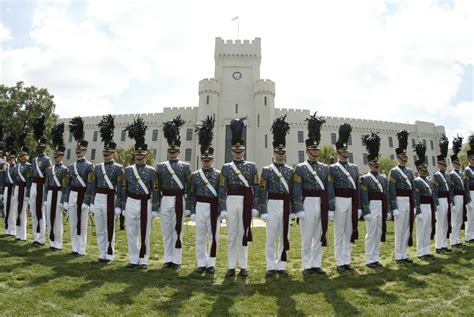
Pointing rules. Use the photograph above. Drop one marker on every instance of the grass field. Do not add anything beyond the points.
(35, 281)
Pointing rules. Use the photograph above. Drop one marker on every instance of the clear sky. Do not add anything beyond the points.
(389, 60)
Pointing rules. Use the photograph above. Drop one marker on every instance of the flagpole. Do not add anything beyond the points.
(238, 28)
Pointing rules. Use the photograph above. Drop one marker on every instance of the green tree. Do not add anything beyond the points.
(386, 164)
(20, 105)
(327, 154)
(125, 156)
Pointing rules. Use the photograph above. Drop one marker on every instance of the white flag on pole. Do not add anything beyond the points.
(235, 18)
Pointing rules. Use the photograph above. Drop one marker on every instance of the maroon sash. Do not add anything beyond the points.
(324, 211)
(409, 193)
(52, 216)
(110, 216)
(143, 219)
(464, 209)
(178, 208)
(39, 200)
(286, 219)
(9, 201)
(351, 193)
(383, 198)
(214, 202)
(446, 195)
(21, 198)
(428, 200)
(81, 191)
(247, 212)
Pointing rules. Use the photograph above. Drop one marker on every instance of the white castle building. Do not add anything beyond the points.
(237, 90)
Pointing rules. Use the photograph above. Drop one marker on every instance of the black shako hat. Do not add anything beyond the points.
(106, 130)
(402, 137)
(372, 144)
(76, 127)
(314, 131)
(344, 133)
(205, 133)
(136, 130)
(443, 149)
(171, 132)
(280, 128)
(237, 127)
(420, 150)
(38, 131)
(471, 145)
(22, 140)
(57, 133)
(457, 147)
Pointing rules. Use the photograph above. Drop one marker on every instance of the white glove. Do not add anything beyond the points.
(389, 215)
(292, 216)
(265, 217)
(187, 212)
(60, 205)
(469, 205)
(359, 213)
(331, 215)
(300, 215)
(154, 214)
(193, 217)
(368, 217)
(395, 213)
(65, 206)
(255, 213)
(437, 208)
(418, 215)
(118, 211)
(223, 214)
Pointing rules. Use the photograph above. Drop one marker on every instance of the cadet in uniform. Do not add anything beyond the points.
(204, 201)
(313, 198)
(106, 192)
(140, 198)
(459, 195)
(174, 178)
(402, 201)
(78, 192)
(55, 190)
(276, 195)
(442, 193)
(469, 190)
(3, 168)
(238, 198)
(8, 201)
(39, 164)
(345, 177)
(374, 201)
(425, 205)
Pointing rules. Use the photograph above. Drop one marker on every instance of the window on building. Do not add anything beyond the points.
(207, 99)
(432, 144)
(236, 108)
(351, 158)
(413, 142)
(123, 136)
(154, 154)
(424, 142)
(433, 160)
(390, 141)
(392, 156)
(189, 134)
(426, 160)
(300, 156)
(154, 136)
(68, 154)
(266, 141)
(366, 160)
(94, 137)
(349, 141)
(258, 120)
(92, 154)
(70, 137)
(187, 155)
(265, 100)
(300, 137)
(333, 138)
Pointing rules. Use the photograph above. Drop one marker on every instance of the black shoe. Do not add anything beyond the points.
(399, 261)
(447, 250)
(318, 270)
(53, 249)
(270, 273)
(378, 264)
(341, 268)
(200, 269)
(307, 272)
(371, 265)
(79, 254)
(143, 266)
(131, 265)
(243, 273)
(100, 260)
(408, 260)
(35, 243)
(457, 245)
(175, 266)
(349, 267)
(210, 269)
(74, 253)
(230, 273)
(167, 265)
(283, 272)
(439, 251)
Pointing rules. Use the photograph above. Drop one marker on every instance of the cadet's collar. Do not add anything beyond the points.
(207, 169)
(59, 164)
(238, 161)
(278, 164)
(140, 165)
(82, 159)
(312, 161)
(442, 172)
(343, 162)
(374, 173)
(42, 155)
(109, 162)
(401, 166)
(173, 160)
(456, 170)
(12, 164)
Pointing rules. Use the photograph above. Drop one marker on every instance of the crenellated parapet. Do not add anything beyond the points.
(209, 86)
(264, 87)
(232, 51)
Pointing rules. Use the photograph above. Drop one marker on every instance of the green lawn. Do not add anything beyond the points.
(36, 281)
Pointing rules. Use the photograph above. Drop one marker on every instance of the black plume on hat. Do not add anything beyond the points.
(280, 128)
(106, 130)
(237, 127)
(420, 150)
(76, 127)
(402, 137)
(171, 131)
(344, 133)
(136, 130)
(457, 147)
(10, 143)
(1, 138)
(57, 133)
(38, 130)
(372, 144)
(314, 130)
(205, 133)
(471, 145)
(443, 148)
(22, 138)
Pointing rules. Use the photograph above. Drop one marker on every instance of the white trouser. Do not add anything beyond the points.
(133, 226)
(275, 235)
(21, 229)
(78, 242)
(441, 237)
(204, 235)
(402, 228)
(469, 227)
(101, 232)
(37, 236)
(311, 231)
(168, 224)
(343, 231)
(57, 226)
(456, 219)
(374, 232)
(235, 232)
(12, 214)
(423, 230)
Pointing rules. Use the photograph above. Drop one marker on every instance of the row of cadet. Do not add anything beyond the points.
(313, 192)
